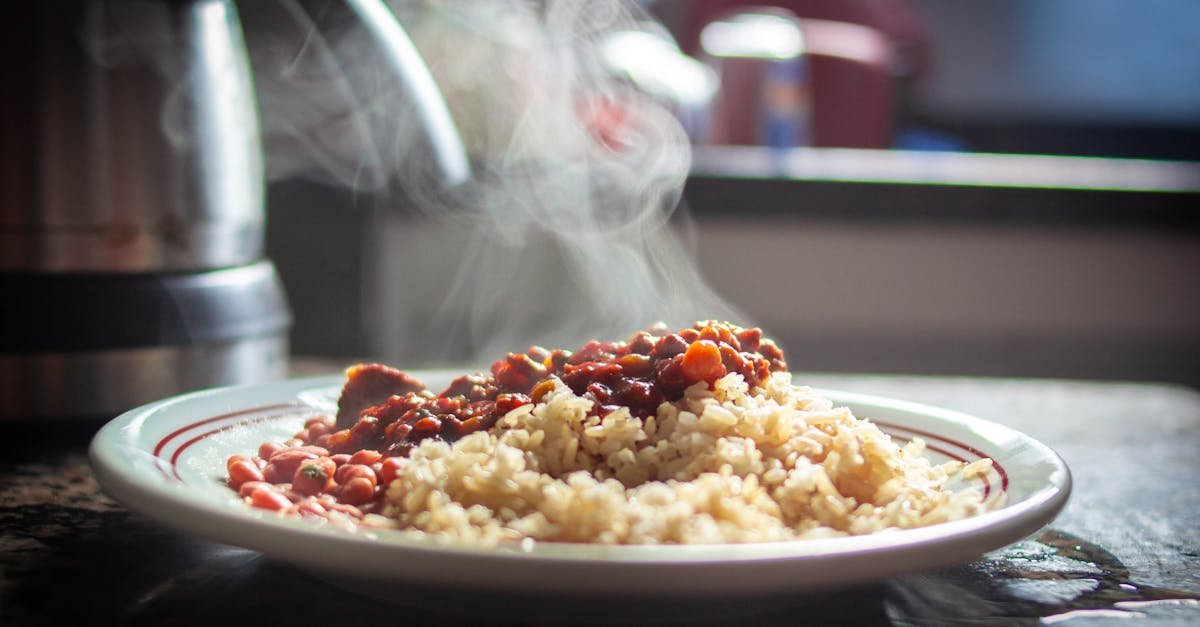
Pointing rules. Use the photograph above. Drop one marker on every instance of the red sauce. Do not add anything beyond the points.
(639, 374)
(383, 413)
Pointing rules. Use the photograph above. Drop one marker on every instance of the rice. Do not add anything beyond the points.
(723, 464)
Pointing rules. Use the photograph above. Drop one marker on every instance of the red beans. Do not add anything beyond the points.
(518, 372)
(702, 362)
(314, 476)
(389, 468)
(242, 471)
(318, 420)
(267, 449)
(428, 425)
(248, 488)
(311, 508)
(269, 500)
(635, 365)
(540, 390)
(317, 430)
(366, 457)
(669, 346)
(357, 491)
(347, 509)
(297, 478)
(282, 465)
(352, 471)
(325, 469)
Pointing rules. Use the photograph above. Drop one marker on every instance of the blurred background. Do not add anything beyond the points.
(917, 186)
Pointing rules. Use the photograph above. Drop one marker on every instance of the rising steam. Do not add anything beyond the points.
(575, 173)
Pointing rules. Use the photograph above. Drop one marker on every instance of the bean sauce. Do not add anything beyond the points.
(344, 465)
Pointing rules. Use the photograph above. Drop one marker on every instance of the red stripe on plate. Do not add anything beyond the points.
(987, 485)
(179, 451)
(158, 448)
(926, 435)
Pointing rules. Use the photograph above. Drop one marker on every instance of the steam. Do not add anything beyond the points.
(572, 165)
(575, 173)
(574, 177)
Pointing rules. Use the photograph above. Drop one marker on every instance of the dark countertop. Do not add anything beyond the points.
(1126, 550)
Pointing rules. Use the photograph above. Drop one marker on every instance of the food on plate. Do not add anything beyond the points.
(695, 436)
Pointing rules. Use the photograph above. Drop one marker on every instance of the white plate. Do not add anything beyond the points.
(166, 461)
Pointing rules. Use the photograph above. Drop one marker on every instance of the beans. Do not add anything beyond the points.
(243, 470)
(540, 390)
(317, 430)
(310, 507)
(669, 346)
(635, 365)
(347, 509)
(508, 402)
(318, 420)
(518, 372)
(320, 484)
(338, 440)
(749, 339)
(283, 464)
(314, 476)
(269, 500)
(641, 395)
(267, 449)
(366, 457)
(702, 362)
(602, 393)
(248, 488)
(389, 468)
(351, 471)
(319, 450)
(641, 343)
(324, 469)
(429, 425)
(357, 491)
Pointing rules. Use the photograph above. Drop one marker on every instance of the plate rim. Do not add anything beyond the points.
(275, 536)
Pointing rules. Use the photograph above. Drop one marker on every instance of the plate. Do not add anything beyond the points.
(166, 461)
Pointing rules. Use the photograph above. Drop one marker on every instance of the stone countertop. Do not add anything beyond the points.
(1125, 551)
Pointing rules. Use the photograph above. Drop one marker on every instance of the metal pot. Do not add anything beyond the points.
(132, 205)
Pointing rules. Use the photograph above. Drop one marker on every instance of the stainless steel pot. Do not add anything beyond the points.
(133, 145)
(132, 204)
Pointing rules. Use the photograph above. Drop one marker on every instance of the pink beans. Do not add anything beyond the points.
(298, 478)
(314, 476)
(282, 465)
(267, 449)
(242, 470)
(350, 471)
(357, 491)
(269, 500)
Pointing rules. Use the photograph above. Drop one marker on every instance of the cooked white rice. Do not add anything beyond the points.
(721, 465)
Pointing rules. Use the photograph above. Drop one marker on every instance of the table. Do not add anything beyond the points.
(1125, 551)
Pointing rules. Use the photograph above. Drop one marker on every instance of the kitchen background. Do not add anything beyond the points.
(917, 236)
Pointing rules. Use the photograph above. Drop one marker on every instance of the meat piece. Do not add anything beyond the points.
(368, 385)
